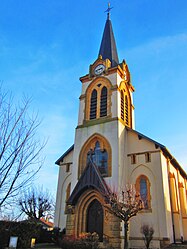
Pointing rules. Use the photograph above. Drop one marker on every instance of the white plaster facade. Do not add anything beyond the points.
(168, 182)
(125, 142)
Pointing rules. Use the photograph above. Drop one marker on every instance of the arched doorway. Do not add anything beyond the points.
(95, 218)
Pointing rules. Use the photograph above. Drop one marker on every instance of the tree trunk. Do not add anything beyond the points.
(126, 228)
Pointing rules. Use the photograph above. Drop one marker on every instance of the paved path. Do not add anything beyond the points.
(53, 246)
(177, 246)
(46, 246)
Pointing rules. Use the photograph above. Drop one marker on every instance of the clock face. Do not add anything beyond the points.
(99, 69)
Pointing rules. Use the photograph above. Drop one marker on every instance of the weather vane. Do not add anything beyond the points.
(108, 10)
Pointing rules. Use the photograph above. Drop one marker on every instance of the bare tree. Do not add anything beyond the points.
(124, 205)
(19, 146)
(147, 232)
(36, 203)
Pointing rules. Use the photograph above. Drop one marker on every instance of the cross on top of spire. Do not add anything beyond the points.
(108, 48)
(108, 10)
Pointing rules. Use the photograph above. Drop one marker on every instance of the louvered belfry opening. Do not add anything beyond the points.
(93, 105)
(126, 110)
(122, 105)
(103, 103)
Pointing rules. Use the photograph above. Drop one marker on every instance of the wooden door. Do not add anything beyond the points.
(95, 218)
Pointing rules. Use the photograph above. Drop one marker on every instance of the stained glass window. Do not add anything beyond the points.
(143, 192)
(99, 158)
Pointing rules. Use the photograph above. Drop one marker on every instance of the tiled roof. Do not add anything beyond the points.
(47, 223)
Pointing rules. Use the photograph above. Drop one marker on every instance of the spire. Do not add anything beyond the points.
(108, 45)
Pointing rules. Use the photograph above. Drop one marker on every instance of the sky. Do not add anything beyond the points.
(46, 46)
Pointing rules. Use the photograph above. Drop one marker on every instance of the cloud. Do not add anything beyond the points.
(159, 44)
(159, 75)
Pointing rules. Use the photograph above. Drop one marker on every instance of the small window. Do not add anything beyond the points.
(133, 159)
(67, 167)
(147, 157)
(93, 105)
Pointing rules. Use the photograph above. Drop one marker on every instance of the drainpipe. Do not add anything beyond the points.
(172, 217)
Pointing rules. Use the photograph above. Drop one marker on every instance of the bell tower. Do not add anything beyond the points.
(106, 107)
(107, 89)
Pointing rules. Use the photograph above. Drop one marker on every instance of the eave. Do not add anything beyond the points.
(65, 154)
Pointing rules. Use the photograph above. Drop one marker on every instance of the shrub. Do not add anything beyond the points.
(85, 241)
(147, 232)
(25, 231)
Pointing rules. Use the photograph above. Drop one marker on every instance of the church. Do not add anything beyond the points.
(121, 155)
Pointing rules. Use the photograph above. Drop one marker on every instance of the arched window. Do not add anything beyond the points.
(143, 191)
(98, 99)
(99, 149)
(182, 199)
(68, 190)
(93, 105)
(143, 188)
(126, 110)
(125, 113)
(100, 158)
(122, 105)
(173, 190)
(103, 102)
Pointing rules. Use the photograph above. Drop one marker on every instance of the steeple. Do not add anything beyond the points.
(108, 45)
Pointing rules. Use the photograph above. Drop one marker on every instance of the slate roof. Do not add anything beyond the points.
(108, 48)
(90, 179)
(46, 223)
(65, 154)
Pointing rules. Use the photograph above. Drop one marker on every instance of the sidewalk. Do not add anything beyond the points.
(47, 246)
(177, 246)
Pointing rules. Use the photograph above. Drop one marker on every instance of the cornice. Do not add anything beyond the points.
(88, 123)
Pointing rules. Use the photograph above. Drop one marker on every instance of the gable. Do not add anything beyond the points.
(90, 179)
(148, 143)
(139, 142)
